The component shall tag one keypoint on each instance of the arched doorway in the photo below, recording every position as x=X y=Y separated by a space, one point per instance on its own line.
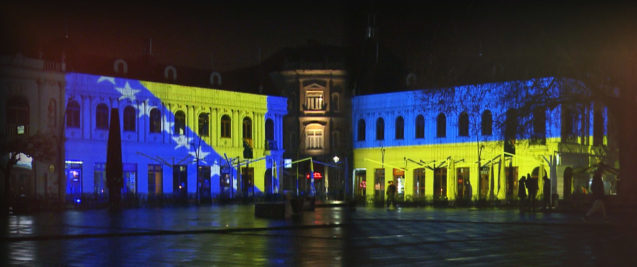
x=568 y=182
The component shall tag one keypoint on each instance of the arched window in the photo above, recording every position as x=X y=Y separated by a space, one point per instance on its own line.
x=180 y=123
x=269 y=134
x=129 y=119
x=463 y=124
x=225 y=126
x=155 y=120
x=18 y=115
x=510 y=129
x=247 y=128
x=420 y=126
x=400 y=128
x=441 y=130
x=487 y=123
x=361 y=130
x=539 y=125
x=569 y=124
x=380 y=129
x=203 y=124
x=101 y=117
x=598 y=127
x=73 y=114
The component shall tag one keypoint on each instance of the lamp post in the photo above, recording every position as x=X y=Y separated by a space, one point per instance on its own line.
x=336 y=160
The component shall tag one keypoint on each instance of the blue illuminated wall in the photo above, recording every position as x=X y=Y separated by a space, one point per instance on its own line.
x=380 y=155
x=143 y=148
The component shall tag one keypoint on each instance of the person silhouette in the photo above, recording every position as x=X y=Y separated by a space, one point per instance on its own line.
x=391 y=194
x=522 y=191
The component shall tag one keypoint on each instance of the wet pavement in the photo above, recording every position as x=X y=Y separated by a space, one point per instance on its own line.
x=327 y=236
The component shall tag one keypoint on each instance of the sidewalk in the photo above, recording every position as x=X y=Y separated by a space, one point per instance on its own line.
x=329 y=235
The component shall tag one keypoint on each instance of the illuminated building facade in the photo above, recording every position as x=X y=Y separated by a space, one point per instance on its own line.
x=317 y=125
x=447 y=144
x=32 y=106
x=177 y=141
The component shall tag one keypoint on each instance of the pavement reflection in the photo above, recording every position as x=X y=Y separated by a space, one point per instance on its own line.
x=334 y=236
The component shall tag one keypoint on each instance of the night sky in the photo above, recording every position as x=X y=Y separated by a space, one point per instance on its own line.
x=229 y=35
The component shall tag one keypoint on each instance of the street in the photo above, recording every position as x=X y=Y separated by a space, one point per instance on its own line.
x=328 y=236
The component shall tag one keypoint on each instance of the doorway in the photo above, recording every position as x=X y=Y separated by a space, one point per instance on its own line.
x=379 y=185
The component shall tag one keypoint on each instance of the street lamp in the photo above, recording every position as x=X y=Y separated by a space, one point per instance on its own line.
x=336 y=159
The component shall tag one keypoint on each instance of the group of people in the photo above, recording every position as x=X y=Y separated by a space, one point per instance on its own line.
x=530 y=184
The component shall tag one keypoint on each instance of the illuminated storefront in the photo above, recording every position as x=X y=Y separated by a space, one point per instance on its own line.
x=176 y=140
x=448 y=144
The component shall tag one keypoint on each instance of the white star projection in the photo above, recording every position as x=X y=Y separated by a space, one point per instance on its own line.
x=145 y=108
x=168 y=125
x=202 y=155
x=127 y=92
x=106 y=78
x=182 y=140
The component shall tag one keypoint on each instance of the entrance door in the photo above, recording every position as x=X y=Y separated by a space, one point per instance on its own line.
x=440 y=183
x=247 y=179
x=464 y=190
x=225 y=182
x=379 y=185
x=74 y=182
x=568 y=183
x=361 y=185
x=180 y=182
x=203 y=181
x=419 y=183
x=511 y=174
x=484 y=183
x=399 y=181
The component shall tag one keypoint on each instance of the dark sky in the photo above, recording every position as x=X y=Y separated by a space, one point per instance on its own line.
x=230 y=34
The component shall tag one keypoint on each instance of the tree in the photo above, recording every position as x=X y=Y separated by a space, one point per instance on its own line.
x=40 y=147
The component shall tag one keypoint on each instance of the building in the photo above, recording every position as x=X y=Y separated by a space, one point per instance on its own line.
x=177 y=141
x=315 y=81
x=449 y=144
x=32 y=106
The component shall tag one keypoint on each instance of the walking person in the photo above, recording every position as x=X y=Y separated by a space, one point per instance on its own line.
x=597 y=186
x=391 y=194
x=532 y=186
x=522 y=192
x=546 y=192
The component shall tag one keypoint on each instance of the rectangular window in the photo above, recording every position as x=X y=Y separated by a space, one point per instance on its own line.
x=99 y=179
x=155 y=179
x=314 y=139
x=314 y=100
x=130 y=178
